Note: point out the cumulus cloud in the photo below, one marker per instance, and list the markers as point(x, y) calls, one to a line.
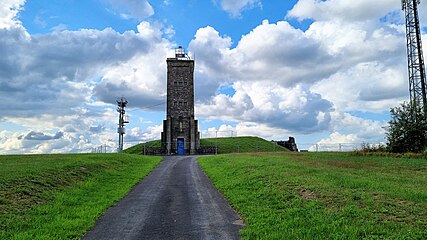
point(364, 129)
point(246, 129)
point(37, 142)
point(137, 134)
point(349, 132)
point(138, 9)
point(371, 86)
point(295, 109)
point(280, 53)
point(286, 80)
point(271, 52)
point(60, 81)
point(8, 13)
point(235, 7)
point(349, 10)
point(56, 73)
point(42, 136)
point(141, 78)
point(351, 58)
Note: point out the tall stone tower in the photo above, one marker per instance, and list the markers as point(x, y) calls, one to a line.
point(180, 130)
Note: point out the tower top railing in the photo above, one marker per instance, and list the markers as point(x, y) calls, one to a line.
point(180, 54)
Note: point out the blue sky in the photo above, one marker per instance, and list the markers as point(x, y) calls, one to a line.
point(325, 72)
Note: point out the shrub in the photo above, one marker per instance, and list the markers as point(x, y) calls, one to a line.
point(407, 130)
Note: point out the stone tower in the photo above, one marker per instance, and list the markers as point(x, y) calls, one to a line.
point(180, 130)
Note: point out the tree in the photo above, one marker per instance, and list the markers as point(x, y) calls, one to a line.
point(407, 130)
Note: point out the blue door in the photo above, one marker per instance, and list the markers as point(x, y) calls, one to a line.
point(180, 146)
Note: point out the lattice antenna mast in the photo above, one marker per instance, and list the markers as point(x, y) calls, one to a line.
point(123, 119)
point(416, 67)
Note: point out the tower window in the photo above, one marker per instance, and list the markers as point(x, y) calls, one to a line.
point(180, 124)
point(174, 103)
point(174, 83)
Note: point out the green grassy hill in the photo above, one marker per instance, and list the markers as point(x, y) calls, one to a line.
point(224, 145)
point(138, 148)
point(61, 196)
point(323, 195)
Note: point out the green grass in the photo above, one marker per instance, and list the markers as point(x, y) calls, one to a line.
point(241, 144)
point(138, 148)
point(324, 195)
point(224, 145)
point(62, 196)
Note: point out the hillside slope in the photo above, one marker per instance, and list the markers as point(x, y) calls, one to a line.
point(224, 145)
point(60, 196)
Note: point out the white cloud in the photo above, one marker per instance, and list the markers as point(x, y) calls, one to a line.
point(370, 86)
point(363, 129)
point(286, 80)
point(8, 13)
point(235, 7)
point(246, 129)
point(136, 134)
point(141, 78)
point(55, 73)
point(295, 109)
point(56, 82)
point(282, 75)
point(138, 9)
point(338, 138)
point(422, 9)
point(271, 52)
point(348, 132)
point(349, 10)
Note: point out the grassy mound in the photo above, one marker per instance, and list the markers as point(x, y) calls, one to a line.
point(323, 195)
point(139, 148)
point(224, 145)
point(61, 196)
point(241, 144)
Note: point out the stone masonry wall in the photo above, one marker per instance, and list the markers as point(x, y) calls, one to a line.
point(180, 122)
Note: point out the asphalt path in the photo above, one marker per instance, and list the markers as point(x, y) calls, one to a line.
point(175, 201)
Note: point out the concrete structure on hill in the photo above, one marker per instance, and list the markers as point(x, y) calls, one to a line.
point(290, 144)
point(180, 129)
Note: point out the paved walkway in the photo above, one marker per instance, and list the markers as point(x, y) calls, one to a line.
point(175, 201)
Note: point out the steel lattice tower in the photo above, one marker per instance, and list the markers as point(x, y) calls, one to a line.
point(121, 104)
point(416, 68)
